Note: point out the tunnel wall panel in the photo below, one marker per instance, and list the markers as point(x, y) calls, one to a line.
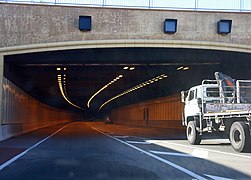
point(165, 112)
point(21, 113)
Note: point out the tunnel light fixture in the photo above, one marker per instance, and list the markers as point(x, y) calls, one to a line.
point(103, 88)
point(183, 68)
point(139, 86)
point(62, 88)
point(58, 69)
point(129, 68)
point(179, 68)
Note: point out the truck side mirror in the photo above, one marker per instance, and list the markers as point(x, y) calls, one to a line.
point(182, 96)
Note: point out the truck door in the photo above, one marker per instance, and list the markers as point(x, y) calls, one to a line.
point(192, 107)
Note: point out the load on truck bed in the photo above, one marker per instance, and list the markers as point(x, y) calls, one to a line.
point(222, 105)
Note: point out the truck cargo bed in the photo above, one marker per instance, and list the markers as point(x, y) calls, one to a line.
point(226, 109)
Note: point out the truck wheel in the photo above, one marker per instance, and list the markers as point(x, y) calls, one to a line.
point(240, 137)
point(193, 135)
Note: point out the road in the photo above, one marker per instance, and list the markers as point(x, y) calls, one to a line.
point(91, 150)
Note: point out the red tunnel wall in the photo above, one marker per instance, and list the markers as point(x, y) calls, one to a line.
point(165, 112)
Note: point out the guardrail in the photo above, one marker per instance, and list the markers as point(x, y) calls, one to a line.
point(194, 5)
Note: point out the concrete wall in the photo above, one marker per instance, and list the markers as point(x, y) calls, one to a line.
point(38, 24)
point(33, 28)
point(164, 112)
point(22, 113)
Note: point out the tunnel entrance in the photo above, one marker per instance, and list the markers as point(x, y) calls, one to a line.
point(102, 76)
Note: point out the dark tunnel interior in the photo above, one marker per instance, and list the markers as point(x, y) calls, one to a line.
point(114, 76)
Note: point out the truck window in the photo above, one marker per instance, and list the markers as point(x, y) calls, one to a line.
point(191, 95)
point(213, 92)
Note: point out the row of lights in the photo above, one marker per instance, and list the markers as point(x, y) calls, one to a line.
point(183, 68)
point(104, 87)
point(129, 68)
point(151, 81)
point(62, 87)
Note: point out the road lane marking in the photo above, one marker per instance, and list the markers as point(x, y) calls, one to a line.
point(122, 137)
point(171, 153)
point(191, 147)
point(7, 163)
point(196, 153)
point(200, 153)
point(217, 177)
point(138, 142)
point(180, 168)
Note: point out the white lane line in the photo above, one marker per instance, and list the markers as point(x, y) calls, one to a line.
point(172, 154)
point(200, 153)
point(138, 142)
point(7, 163)
point(184, 170)
point(217, 177)
point(191, 147)
point(122, 137)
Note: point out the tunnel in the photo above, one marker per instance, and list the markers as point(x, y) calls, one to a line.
point(98, 80)
point(94, 91)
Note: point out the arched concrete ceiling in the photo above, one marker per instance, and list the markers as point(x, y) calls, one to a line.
point(89, 70)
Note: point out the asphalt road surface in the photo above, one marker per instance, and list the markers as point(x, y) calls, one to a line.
point(84, 150)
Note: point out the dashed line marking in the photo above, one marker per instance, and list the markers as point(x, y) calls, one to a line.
point(217, 177)
point(180, 168)
point(138, 142)
point(200, 153)
point(159, 142)
point(121, 137)
point(171, 153)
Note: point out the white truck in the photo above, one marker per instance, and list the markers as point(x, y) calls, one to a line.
point(221, 106)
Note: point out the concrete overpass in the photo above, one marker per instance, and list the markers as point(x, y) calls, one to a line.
point(37, 40)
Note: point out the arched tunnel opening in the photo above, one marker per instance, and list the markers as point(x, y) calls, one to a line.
point(95, 81)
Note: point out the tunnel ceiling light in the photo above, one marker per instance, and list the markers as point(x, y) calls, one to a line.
point(62, 88)
point(186, 68)
point(64, 69)
point(103, 88)
point(183, 68)
point(179, 68)
point(170, 26)
point(224, 26)
point(58, 69)
point(129, 68)
point(139, 86)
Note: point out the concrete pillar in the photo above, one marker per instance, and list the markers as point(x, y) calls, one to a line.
point(1, 85)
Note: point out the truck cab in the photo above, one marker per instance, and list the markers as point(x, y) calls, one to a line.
point(196, 96)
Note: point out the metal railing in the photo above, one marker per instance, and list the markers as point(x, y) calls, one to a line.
point(194, 5)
